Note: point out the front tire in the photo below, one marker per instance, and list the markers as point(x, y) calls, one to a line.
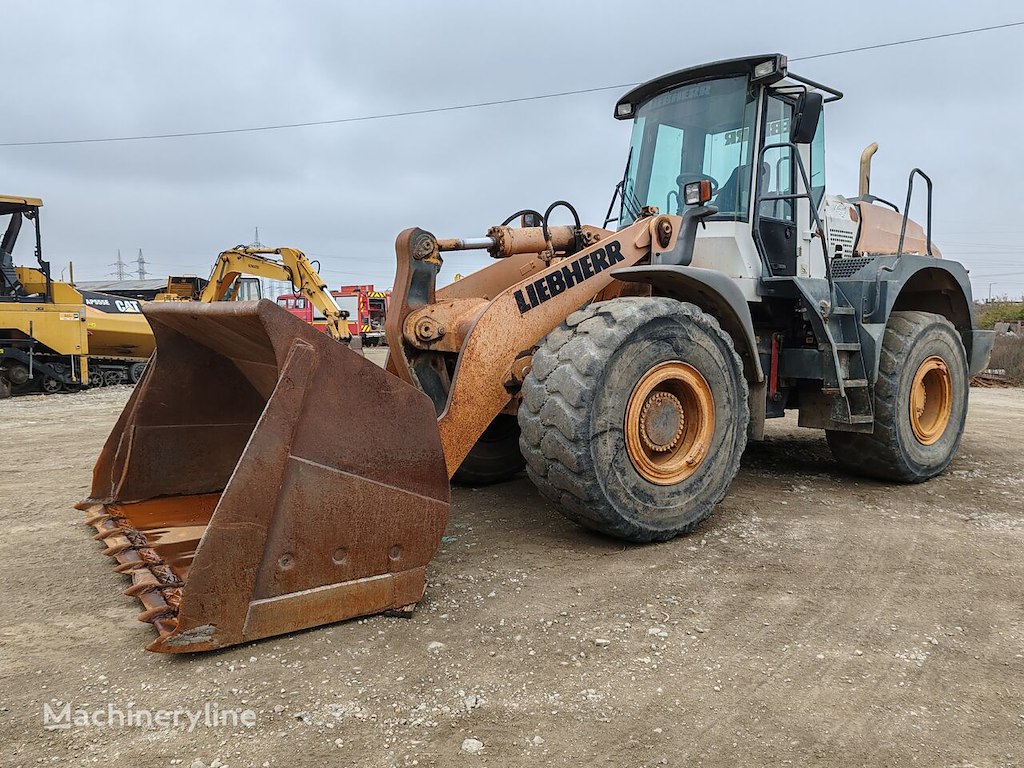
point(634, 417)
point(920, 403)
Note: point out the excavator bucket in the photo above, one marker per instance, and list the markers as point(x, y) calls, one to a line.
point(263, 478)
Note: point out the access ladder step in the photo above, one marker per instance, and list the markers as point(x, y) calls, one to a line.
point(847, 346)
point(847, 384)
point(861, 419)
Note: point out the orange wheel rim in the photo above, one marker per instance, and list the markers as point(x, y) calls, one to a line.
point(931, 400)
point(670, 421)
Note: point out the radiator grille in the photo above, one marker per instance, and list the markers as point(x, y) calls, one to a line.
point(847, 267)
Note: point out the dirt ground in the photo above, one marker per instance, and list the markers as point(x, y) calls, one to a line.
point(815, 619)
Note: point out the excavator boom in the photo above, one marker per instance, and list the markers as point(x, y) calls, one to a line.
point(290, 265)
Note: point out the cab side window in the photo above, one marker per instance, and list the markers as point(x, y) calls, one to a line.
point(777, 168)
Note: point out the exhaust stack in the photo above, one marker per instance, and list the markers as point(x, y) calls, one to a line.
point(865, 169)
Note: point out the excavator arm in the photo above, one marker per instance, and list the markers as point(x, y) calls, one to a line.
point(290, 265)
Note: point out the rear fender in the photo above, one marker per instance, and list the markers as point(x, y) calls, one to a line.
point(886, 284)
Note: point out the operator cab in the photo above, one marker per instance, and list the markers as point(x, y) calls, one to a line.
point(245, 289)
point(717, 123)
point(16, 209)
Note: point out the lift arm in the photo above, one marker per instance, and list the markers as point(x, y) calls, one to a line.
point(493, 334)
point(291, 265)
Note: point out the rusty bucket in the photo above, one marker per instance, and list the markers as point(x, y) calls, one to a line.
point(263, 478)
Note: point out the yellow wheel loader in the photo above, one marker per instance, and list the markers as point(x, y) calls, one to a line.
point(626, 367)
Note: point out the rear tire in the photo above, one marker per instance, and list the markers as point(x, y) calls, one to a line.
point(495, 457)
point(922, 353)
point(5, 388)
point(641, 480)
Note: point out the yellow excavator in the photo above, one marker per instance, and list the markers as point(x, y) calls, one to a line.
point(236, 277)
point(290, 265)
point(264, 479)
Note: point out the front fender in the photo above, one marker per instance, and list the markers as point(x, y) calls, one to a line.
point(713, 292)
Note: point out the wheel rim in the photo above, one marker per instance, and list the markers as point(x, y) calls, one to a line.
point(931, 400)
point(670, 420)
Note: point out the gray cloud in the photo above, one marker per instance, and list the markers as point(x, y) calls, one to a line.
point(343, 192)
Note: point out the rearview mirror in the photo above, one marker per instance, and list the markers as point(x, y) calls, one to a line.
point(805, 118)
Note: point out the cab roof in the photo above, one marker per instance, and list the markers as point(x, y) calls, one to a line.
point(625, 108)
point(18, 204)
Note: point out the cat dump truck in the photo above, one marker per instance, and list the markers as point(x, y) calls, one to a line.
point(625, 366)
point(54, 337)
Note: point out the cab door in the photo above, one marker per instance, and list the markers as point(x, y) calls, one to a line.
point(778, 224)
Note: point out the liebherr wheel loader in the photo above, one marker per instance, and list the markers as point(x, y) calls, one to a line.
point(625, 367)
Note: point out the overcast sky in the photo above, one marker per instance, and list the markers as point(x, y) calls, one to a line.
point(342, 192)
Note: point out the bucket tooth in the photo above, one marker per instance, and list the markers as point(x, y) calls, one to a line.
point(153, 614)
point(137, 589)
point(263, 478)
point(106, 533)
point(116, 547)
point(129, 566)
point(98, 518)
point(143, 580)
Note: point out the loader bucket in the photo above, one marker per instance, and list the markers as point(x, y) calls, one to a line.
point(263, 478)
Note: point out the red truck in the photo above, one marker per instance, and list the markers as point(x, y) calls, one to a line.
point(366, 309)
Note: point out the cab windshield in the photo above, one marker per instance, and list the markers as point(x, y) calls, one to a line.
point(699, 131)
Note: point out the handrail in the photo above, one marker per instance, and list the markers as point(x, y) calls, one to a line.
point(906, 211)
point(608, 218)
point(759, 198)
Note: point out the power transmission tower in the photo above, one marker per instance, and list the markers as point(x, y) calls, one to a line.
point(271, 288)
point(141, 265)
point(120, 268)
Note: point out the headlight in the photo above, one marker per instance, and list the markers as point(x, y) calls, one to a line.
point(697, 192)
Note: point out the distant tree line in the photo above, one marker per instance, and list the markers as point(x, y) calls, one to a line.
point(991, 312)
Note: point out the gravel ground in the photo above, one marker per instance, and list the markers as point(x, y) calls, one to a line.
point(815, 619)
